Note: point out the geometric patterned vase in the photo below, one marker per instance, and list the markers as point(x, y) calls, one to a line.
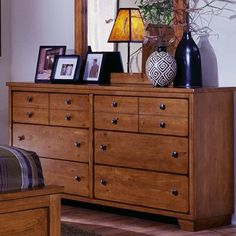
point(161, 68)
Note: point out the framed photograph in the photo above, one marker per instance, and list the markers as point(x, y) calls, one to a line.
point(66, 69)
point(46, 61)
point(93, 68)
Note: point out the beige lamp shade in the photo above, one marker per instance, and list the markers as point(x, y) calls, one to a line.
point(128, 26)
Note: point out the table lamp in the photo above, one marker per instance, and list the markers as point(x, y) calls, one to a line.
point(128, 27)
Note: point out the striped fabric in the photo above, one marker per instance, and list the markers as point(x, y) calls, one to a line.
point(19, 169)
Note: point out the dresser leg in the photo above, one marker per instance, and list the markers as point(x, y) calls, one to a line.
point(194, 225)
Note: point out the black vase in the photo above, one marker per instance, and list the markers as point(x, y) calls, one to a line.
point(187, 56)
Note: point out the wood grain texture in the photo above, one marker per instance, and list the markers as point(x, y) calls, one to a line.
point(131, 186)
point(151, 152)
point(73, 176)
point(48, 141)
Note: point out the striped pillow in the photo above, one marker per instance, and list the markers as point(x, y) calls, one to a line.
point(19, 169)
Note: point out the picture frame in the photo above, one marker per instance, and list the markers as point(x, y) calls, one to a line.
point(99, 66)
point(93, 68)
point(66, 69)
point(45, 62)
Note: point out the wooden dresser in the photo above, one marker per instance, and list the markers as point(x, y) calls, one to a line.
point(166, 151)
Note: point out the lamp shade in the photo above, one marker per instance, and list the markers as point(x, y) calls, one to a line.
point(128, 26)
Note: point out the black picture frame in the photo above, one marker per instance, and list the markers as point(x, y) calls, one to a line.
point(105, 64)
point(66, 69)
point(45, 62)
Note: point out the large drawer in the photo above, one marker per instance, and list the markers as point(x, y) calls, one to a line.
point(73, 176)
point(69, 102)
point(143, 188)
point(69, 118)
point(152, 152)
point(116, 121)
point(116, 104)
point(53, 142)
point(30, 115)
point(163, 125)
point(164, 106)
point(30, 99)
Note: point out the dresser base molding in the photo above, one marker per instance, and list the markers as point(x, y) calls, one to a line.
point(202, 224)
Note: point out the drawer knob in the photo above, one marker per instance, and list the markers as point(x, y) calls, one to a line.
point(114, 104)
point(29, 114)
point(67, 117)
point(77, 144)
point(78, 178)
point(175, 192)
point(175, 154)
point(68, 101)
point(21, 137)
point(162, 106)
point(114, 121)
point(29, 99)
point(162, 124)
point(103, 147)
point(103, 182)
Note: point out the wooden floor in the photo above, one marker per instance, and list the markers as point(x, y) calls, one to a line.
point(117, 224)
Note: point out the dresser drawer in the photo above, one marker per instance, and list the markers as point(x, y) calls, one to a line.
point(143, 188)
point(53, 142)
point(69, 118)
point(116, 104)
point(116, 121)
point(151, 152)
point(164, 106)
point(30, 99)
point(69, 102)
point(30, 115)
point(73, 176)
point(163, 125)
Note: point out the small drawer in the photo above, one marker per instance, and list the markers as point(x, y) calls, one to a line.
point(163, 125)
point(69, 102)
point(163, 106)
point(30, 115)
point(110, 121)
point(142, 151)
point(30, 99)
point(69, 118)
point(50, 141)
point(116, 104)
point(73, 176)
point(143, 188)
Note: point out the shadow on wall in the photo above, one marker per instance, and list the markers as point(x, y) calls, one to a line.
point(208, 61)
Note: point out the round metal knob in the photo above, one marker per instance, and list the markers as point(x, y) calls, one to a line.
point(68, 101)
point(29, 114)
point(162, 124)
point(174, 192)
point(21, 137)
point(29, 99)
point(114, 121)
point(67, 117)
point(103, 182)
point(162, 106)
point(175, 154)
point(103, 147)
point(114, 104)
point(78, 178)
point(77, 144)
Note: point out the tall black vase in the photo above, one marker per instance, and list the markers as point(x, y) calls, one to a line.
point(187, 56)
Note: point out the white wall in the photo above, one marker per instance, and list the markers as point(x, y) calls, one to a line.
point(4, 69)
point(35, 23)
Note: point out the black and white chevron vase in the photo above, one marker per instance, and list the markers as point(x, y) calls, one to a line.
point(161, 68)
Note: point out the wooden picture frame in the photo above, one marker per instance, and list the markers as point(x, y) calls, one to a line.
point(66, 69)
point(45, 62)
